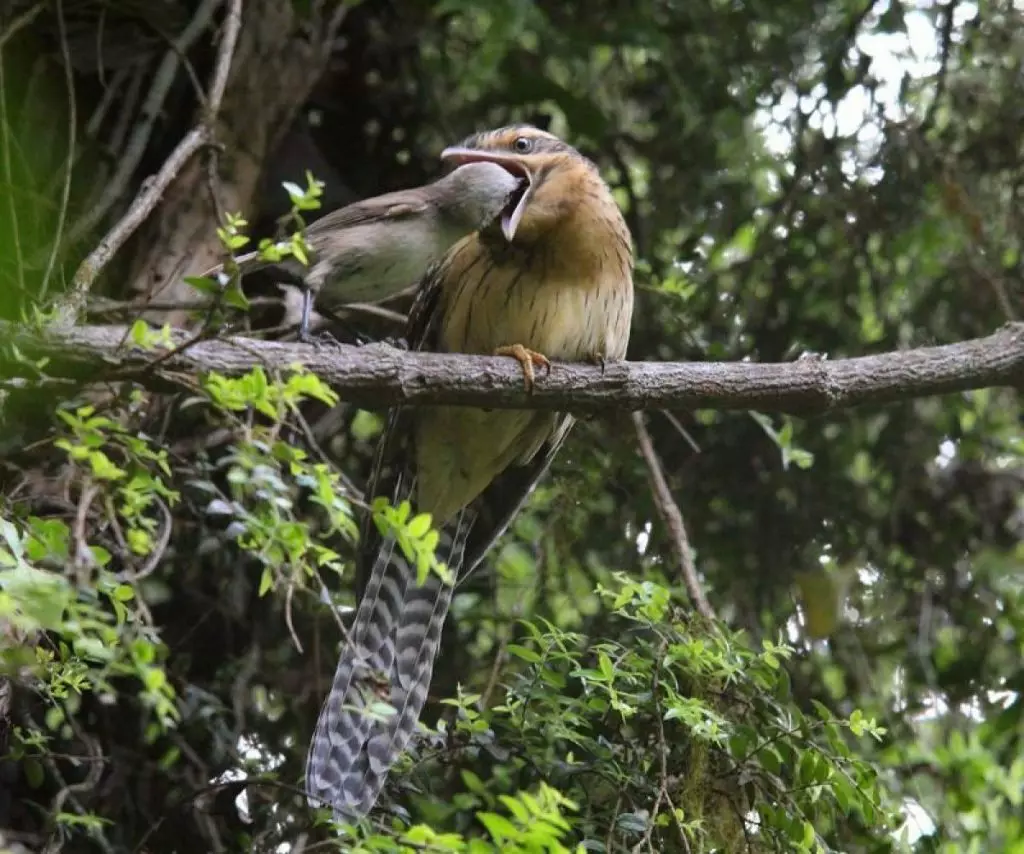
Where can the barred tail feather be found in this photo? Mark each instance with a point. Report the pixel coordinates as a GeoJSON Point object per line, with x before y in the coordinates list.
{"type": "Point", "coordinates": [389, 657]}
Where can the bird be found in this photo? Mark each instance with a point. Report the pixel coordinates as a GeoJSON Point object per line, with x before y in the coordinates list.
{"type": "Point", "coordinates": [378, 247]}
{"type": "Point", "coordinates": [551, 279]}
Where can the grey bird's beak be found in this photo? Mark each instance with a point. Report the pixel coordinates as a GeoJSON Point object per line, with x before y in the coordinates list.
{"type": "Point", "coordinates": [513, 214]}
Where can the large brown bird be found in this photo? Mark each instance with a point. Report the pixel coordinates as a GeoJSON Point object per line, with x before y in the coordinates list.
{"type": "Point", "coordinates": [551, 279]}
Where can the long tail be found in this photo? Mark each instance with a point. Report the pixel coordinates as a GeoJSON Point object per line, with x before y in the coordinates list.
{"type": "Point", "coordinates": [388, 659]}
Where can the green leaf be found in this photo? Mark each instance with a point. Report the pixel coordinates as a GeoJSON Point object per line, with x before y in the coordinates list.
{"type": "Point", "coordinates": [203, 284]}
{"type": "Point", "coordinates": [499, 827]}
{"type": "Point", "coordinates": [419, 525]}
{"type": "Point", "coordinates": [124, 593]}
{"type": "Point", "coordinates": [527, 655]}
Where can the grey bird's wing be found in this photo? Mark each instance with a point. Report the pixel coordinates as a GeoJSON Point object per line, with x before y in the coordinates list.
{"type": "Point", "coordinates": [395, 637]}
{"type": "Point", "coordinates": [399, 205]}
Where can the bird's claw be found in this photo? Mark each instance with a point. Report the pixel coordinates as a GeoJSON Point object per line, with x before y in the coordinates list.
{"type": "Point", "coordinates": [398, 343]}
{"type": "Point", "coordinates": [527, 359]}
{"type": "Point", "coordinates": [319, 339]}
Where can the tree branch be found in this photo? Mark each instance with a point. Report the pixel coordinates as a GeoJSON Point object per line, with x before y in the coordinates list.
{"type": "Point", "coordinates": [672, 516]}
{"type": "Point", "coordinates": [378, 375]}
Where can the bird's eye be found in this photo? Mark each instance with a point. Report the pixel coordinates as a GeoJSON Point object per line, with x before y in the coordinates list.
{"type": "Point", "coordinates": [523, 144]}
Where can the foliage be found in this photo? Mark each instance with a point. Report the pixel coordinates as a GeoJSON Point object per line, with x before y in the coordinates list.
{"type": "Point", "coordinates": [175, 557]}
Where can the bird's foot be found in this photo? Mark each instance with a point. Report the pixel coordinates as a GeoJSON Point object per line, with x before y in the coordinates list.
{"type": "Point", "coordinates": [398, 343]}
{"type": "Point", "coordinates": [599, 360]}
{"type": "Point", "coordinates": [527, 359]}
{"type": "Point", "coordinates": [318, 339]}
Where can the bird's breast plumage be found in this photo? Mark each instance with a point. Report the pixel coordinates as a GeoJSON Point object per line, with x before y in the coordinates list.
{"type": "Point", "coordinates": [568, 295]}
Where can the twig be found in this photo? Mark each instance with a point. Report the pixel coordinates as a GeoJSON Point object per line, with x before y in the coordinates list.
{"type": "Point", "coordinates": [101, 306]}
{"type": "Point", "coordinates": [19, 23]}
{"type": "Point", "coordinates": [83, 559]}
{"type": "Point", "coordinates": [152, 190]}
{"type": "Point", "coordinates": [681, 430]}
{"type": "Point", "coordinates": [288, 615]}
{"type": "Point", "coordinates": [156, 555]}
{"type": "Point", "coordinates": [492, 680]}
{"type": "Point", "coordinates": [672, 517]}
{"type": "Point", "coordinates": [353, 492]}
{"type": "Point", "coordinates": [67, 792]}
{"type": "Point", "coordinates": [610, 837]}
{"type": "Point", "coordinates": [65, 197]}
{"type": "Point", "coordinates": [8, 174]}
{"type": "Point", "coordinates": [232, 26]}
{"type": "Point", "coordinates": [119, 132]}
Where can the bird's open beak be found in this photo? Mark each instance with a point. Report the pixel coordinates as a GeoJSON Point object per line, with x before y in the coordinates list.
{"type": "Point", "coordinates": [513, 213]}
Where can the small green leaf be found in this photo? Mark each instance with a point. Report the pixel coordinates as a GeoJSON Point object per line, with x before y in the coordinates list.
{"type": "Point", "coordinates": [419, 525]}
{"type": "Point", "coordinates": [527, 655]}
{"type": "Point", "coordinates": [203, 284]}
{"type": "Point", "coordinates": [499, 827]}
{"type": "Point", "coordinates": [124, 593]}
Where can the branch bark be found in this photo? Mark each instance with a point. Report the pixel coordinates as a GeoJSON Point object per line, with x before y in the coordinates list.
{"type": "Point", "coordinates": [377, 375]}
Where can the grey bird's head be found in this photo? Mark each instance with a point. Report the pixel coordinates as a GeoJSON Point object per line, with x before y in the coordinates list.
{"type": "Point", "coordinates": [474, 195]}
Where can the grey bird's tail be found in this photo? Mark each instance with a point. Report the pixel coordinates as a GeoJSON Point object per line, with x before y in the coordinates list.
{"type": "Point", "coordinates": [388, 661]}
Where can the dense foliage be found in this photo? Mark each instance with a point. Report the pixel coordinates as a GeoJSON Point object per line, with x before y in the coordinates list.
{"type": "Point", "coordinates": [837, 178]}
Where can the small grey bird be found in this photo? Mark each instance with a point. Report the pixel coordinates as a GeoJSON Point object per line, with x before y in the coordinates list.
{"type": "Point", "coordinates": [378, 247]}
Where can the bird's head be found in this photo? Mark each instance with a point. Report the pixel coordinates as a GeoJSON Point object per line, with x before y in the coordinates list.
{"type": "Point", "coordinates": [475, 194]}
{"type": "Point", "coordinates": [556, 175]}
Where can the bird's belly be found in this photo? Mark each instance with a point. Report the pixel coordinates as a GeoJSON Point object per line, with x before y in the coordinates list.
{"type": "Point", "coordinates": [375, 267]}
{"type": "Point", "coordinates": [562, 320]}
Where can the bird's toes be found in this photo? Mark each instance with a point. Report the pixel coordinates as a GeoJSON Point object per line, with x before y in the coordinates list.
{"type": "Point", "coordinates": [527, 359]}
{"type": "Point", "coordinates": [399, 343]}
{"type": "Point", "coordinates": [320, 339]}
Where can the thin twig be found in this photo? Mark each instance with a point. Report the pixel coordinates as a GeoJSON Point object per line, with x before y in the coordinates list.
{"type": "Point", "coordinates": [5, 153]}
{"type": "Point", "coordinates": [492, 680]}
{"type": "Point", "coordinates": [19, 23]}
{"type": "Point", "coordinates": [83, 559]}
{"type": "Point", "coordinates": [69, 161]}
{"type": "Point", "coordinates": [288, 615]}
{"type": "Point", "coordinates": [232, 26]}
{"type": "Point", "coordinates": [108, 306]}
{"type": "Point", "coordinates": [675, 422]}
{"type": "Point", "coordinates": [672, 517]}
{"type": "Point", "coordinates": [157, 553]}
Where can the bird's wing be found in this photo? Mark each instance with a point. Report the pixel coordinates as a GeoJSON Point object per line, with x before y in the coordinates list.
{"type": "Point", "coordinates": [390, 206]}
{"type": "Point", "coordinates": [394, 640]}
{"type": "Point", "coordinates": [499, 503]}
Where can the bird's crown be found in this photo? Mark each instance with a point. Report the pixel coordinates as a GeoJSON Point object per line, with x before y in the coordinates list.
{"type": "Point", "coordinates": [521, 139]}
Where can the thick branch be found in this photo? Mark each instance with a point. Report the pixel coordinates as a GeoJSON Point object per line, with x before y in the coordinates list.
{"type": "Point", "coordinates": [379, 375]}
